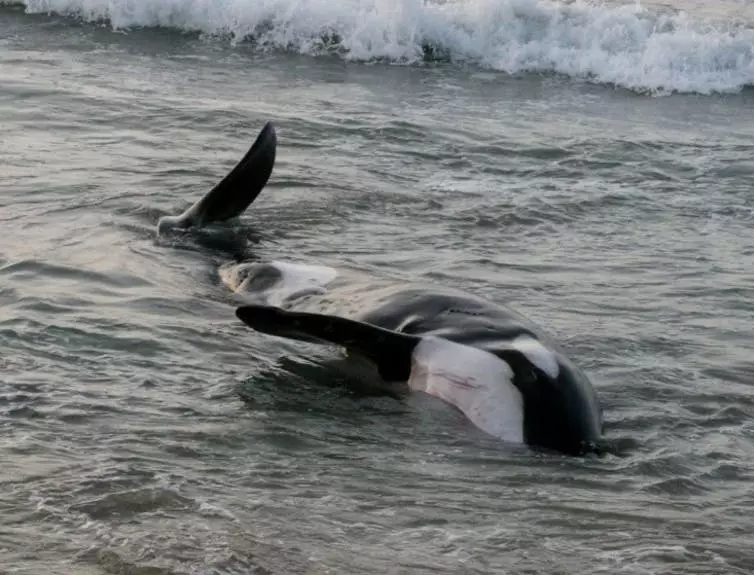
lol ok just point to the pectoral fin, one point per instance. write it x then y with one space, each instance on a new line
390 350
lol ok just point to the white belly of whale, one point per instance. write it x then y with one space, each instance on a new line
478 383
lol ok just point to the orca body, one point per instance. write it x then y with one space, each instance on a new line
506 375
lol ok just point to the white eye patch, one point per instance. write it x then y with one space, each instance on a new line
538 354
475 381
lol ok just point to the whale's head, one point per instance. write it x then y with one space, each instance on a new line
517 389
561 411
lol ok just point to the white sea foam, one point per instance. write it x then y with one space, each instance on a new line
629 46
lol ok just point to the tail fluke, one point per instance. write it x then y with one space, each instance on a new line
236 191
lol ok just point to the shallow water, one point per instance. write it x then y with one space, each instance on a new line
145 430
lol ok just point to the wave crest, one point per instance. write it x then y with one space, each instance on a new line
627 46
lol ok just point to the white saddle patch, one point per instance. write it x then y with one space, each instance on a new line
538 354
475 381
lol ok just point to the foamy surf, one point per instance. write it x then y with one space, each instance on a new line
628 46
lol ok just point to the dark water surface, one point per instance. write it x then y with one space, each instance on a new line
144 430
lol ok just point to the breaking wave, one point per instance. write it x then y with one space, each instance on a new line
635 47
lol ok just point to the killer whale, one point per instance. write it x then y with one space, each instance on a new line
502 372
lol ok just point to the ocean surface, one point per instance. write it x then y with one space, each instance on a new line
589 164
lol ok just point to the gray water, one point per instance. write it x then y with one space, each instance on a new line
145 430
